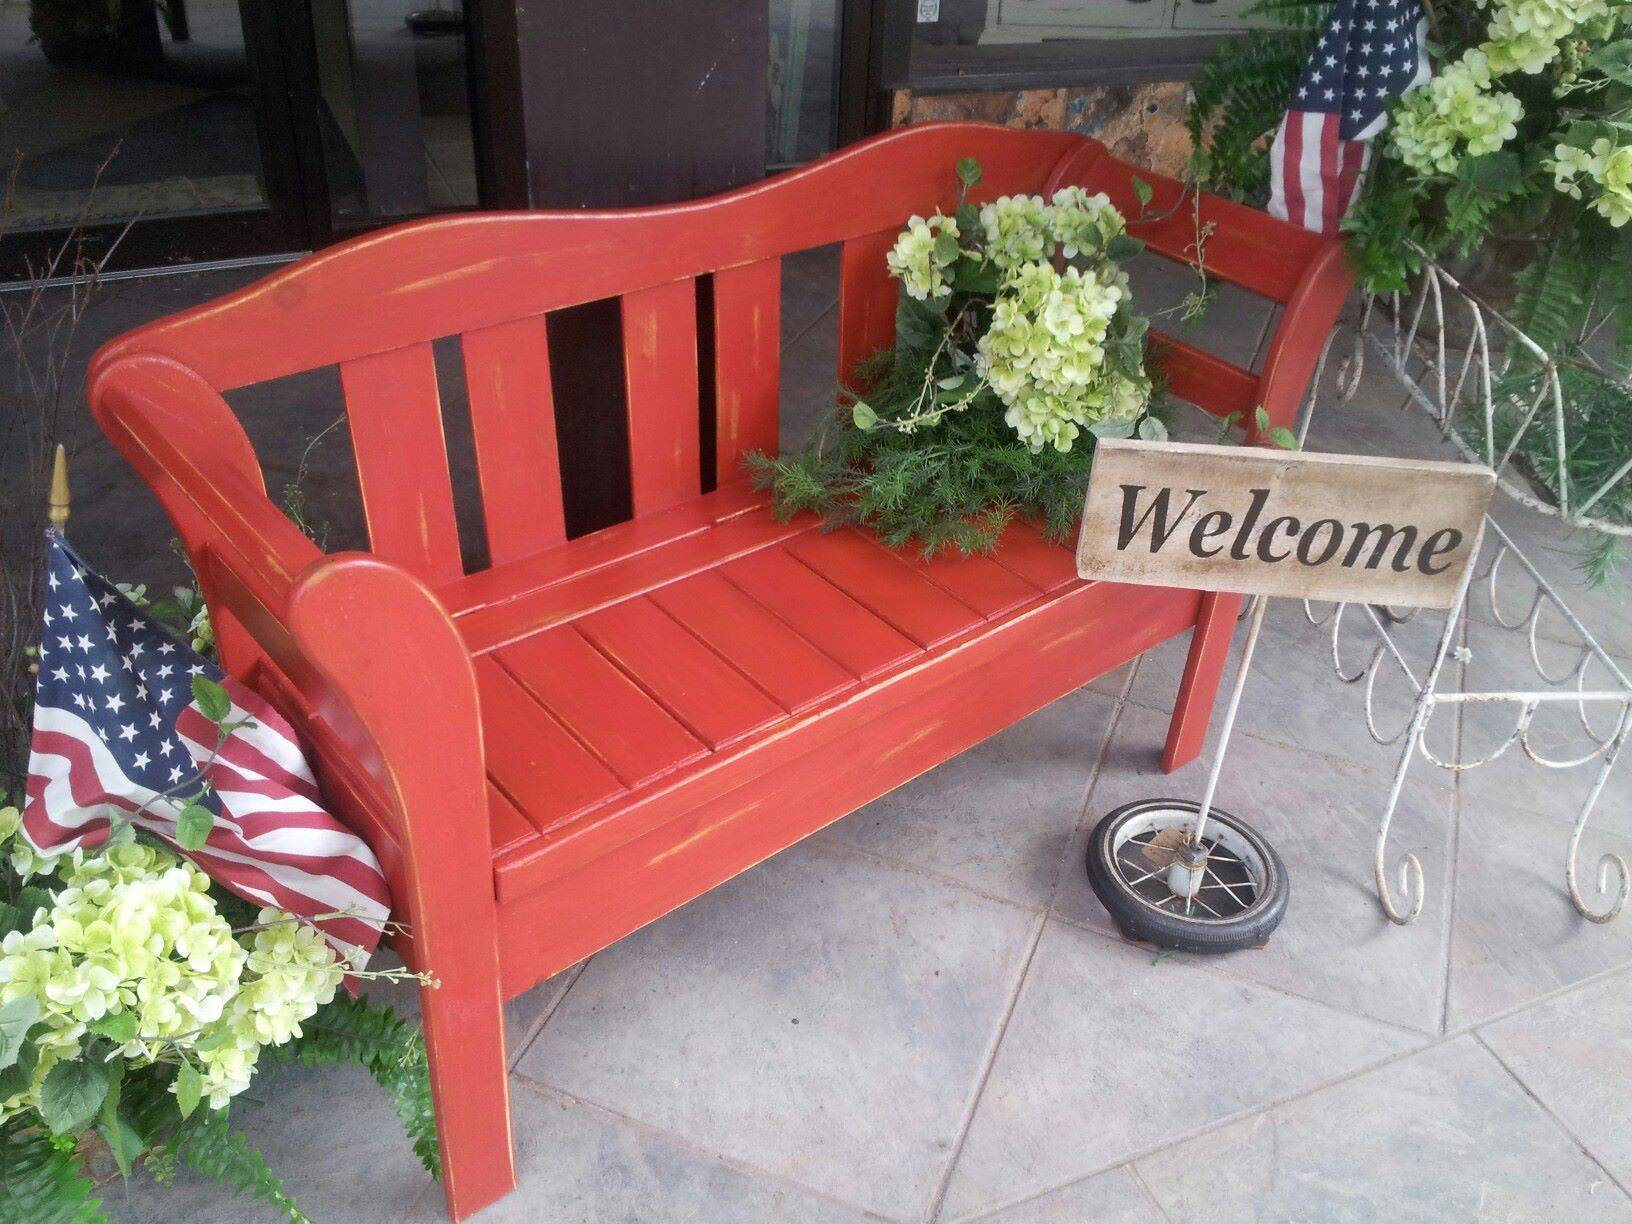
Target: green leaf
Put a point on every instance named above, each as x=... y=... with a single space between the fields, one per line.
x=121 y=833
x=919 y=325
x=195 y=822
x=1112 y=429
x=968 y=219
x=19 y=1077
x=189 y=1089
x=863 y=415
x=116 y=1026
x=973 y=274
x=946 y=247
x=212 y=699
x=122 y=1139
x=1284 y=438
x=1124 y=246
x=1225 y=424
x=1261 y=417
x=71 y=1095
x=968 y=171
x=1496 y=174
x=1614 y=60
x=16 y=1018
x=31 y=899
x=42 y=1183
x=14 y=918
x=1143 y=190
x=1152 y=430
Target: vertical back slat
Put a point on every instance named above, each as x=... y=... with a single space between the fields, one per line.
x=660 y=368
x=395 y=416
x=512 y=415
x=867 y=299
x=747 y=363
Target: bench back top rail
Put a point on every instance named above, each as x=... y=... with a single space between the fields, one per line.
x=373 y=307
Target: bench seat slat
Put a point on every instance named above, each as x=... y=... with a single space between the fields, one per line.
x=974 y=579
x=882 y=582
x=820 y=612
x=532 y=757
x=1044 y=564
x=759 y=644
x=715 y=701
x=611 y=715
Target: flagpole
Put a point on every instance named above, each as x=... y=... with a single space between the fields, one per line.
x=57 y=499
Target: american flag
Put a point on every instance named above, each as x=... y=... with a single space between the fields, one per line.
x=116 y=726
x=1370 y=52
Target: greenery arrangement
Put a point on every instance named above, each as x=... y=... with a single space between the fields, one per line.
x=1014 y=337
x=136 y=1000
x=1518 y=150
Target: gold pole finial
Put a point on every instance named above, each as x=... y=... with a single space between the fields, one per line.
x=57 y=500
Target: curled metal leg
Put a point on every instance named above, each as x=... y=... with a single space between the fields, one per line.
x=1410 y=886
x=1609 y=862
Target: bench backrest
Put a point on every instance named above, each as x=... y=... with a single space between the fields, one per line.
x=374 y=306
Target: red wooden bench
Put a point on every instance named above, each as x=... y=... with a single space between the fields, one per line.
x=555 y=750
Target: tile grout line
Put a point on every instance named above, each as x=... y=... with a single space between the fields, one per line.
x=988 y=1062
x=1563 y=1126
x=1202 y=964
x=745 y=1167
x=1098 y=768
x=811 y=326
x=1144 y=1186
x=536 y=1029
x=1190 y=1136
x=1457 y=797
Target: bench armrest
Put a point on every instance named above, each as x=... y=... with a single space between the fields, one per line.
x=353 y=642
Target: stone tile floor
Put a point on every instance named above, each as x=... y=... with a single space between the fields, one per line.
x=923 y=1014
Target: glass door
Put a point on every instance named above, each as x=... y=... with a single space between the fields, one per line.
x=159 y=126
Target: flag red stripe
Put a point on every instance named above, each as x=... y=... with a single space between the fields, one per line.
x=192 y=724
x=90 y=790
x=1292 y=167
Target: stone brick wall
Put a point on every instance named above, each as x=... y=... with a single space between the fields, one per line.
x=1142 y=124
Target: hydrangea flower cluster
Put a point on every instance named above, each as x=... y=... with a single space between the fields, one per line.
x=1606 y=167
x=1081 y=223
x=133 y=932
x=1019 y=230
x=923 y=254
x=1044 y=353
x=1525 y=35
x=1455 y=115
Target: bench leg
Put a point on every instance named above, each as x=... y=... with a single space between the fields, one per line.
x=464 y=1040
x=1203 y=670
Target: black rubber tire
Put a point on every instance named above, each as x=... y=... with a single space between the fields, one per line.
x=1140 y=920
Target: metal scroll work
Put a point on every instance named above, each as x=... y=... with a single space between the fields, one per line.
x=1455 y=388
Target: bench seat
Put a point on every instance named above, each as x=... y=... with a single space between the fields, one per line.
x=619 y=674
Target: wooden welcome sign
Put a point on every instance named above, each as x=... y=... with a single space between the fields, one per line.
x=1275 y=522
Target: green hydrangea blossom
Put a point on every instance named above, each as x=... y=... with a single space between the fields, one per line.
x=1525 y=35
x=1081 y=223
x=1018 y=231
x=1455 y=115
x=1045 y=357
x=1605 y=168
x=923 y=253
x=134 y=931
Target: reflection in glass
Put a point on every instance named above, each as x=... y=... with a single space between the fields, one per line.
x=396 y=126
x=802 y=91
x=154 y=97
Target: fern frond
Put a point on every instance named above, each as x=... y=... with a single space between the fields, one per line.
x=358 y=1032
x=207 y=1144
